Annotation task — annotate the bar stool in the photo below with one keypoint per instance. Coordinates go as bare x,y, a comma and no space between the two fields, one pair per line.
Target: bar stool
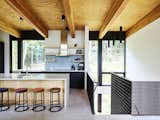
4,107
22,103
55,107
38,103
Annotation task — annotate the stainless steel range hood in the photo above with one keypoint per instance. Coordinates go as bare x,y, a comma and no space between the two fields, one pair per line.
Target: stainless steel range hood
63,46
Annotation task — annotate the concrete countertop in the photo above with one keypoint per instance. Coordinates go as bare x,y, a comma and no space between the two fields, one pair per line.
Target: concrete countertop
51,71
34,76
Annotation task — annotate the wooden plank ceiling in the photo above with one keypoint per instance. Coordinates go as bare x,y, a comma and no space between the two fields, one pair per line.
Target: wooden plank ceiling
99,15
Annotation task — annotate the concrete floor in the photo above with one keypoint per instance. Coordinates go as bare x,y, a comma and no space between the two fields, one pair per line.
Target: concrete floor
78,109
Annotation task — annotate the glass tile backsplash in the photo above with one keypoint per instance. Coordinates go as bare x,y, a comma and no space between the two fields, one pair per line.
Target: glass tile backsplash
63,62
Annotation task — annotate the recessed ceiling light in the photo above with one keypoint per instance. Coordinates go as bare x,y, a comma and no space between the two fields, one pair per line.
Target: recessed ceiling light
63,17
20,18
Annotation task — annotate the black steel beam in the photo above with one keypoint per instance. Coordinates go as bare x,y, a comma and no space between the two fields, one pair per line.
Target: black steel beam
100,74
110,35
28,35
20,54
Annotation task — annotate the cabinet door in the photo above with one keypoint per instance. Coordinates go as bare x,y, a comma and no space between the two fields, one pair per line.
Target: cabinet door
1,57
54,39
52,51
77,80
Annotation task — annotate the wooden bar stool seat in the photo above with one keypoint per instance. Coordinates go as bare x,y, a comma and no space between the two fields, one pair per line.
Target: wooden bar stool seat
4,107
55,90
3,89
21,90
36,90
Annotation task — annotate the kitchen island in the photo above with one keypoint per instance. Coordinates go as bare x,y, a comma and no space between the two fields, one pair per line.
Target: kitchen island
34,80
77,77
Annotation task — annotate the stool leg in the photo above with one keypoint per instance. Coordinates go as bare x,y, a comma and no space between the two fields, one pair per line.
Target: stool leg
58,98
1,101
8,98
43,99
15,100
23,101
50,98
33,99
27,98
51,101
19,102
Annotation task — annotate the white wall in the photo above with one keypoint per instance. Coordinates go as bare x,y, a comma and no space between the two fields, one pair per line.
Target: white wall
86,53
53,40
5,38
79,39
143,53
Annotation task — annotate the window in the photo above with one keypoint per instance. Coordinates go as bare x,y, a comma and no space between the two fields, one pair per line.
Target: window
14,55
112,56
92,60
33,55
112,59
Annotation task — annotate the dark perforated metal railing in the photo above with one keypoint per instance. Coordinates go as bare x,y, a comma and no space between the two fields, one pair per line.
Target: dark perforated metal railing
90,91
120,95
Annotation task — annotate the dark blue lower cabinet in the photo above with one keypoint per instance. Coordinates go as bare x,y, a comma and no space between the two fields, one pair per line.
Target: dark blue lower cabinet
77,80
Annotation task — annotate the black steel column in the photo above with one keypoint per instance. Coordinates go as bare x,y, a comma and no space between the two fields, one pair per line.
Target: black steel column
99,74
20,54
10,49
122,37
2,57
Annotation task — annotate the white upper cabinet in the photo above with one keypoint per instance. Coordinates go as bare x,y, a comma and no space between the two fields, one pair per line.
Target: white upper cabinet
77,42
54,39
53,42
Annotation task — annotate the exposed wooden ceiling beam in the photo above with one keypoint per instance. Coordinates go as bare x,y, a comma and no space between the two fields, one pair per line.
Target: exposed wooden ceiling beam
69,16
150,17
115,10
24,12
8,29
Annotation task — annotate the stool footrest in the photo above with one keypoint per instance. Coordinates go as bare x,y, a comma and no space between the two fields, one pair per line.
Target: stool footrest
55,108
35,108
4,108
24,108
